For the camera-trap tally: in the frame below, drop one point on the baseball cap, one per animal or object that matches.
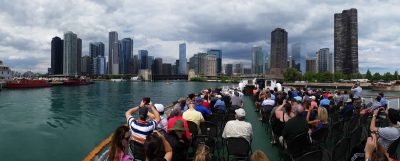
(240, 112)
(159, 107)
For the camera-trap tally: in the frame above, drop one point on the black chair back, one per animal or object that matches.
(193, 128)
(341, 150)
(393, 148)
(208, 128)
(238, 147)
(355, 137)
(336, 131)
(137, 149)
(299, 145)
(311, 156)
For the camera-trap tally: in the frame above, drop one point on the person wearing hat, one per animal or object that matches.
(387, 135)
(325, 102)
(201, 108)
(347, 109)
(178, 141)
(163, 122)
(219, 104)
(175, 115)
(238, 127)
(141, 127)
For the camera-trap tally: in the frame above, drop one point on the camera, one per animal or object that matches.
(146, 100)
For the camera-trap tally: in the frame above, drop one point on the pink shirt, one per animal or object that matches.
(125, 157)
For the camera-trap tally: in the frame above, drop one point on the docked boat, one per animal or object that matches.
(389, 86)
(75, 82)
(56, 83)
(27, 83)
(116, 80)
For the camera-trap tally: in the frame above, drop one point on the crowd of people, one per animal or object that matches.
(154, 132)
(297, 111)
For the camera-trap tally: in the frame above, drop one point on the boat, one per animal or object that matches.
(135, 79)
(116, 80)
(75, 82)
(56, 83)
(27, 83)
(386, 86)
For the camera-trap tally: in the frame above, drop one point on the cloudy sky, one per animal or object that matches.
(234, 26)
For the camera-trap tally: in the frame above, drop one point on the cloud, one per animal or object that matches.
(159, 26)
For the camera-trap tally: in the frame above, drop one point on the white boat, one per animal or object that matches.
(116, 80)
(135, 79)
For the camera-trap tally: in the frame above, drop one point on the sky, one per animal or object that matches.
(27, 27)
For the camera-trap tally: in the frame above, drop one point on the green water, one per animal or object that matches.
(66, 123)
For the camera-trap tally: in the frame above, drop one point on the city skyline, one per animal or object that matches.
(29, 28)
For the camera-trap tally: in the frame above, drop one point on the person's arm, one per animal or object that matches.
(373, 127)
(278, 111)
(128, 113)
(313, 122)
(370, 146)
(167, 147)
(155, 113)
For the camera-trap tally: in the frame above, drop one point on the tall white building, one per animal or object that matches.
(71, 61)
(113, 53)
(211, 61)
(182, 59)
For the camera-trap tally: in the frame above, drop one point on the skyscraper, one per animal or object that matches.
(57, 55)
(135, 64)
(113, 53)
(198, 62)
(257, 61)
(324, 61)
(71, 62)
(228, 69)
(182, 59)
(79, 54)
(99, 65)
(346, 42)
(158, 66)
(296, 56)
(143, 54)
(166, 69)
(279, 42)
(218, 54)
(96, 49)
(311, 65)
(211, 65)
(85, 65)
(125, 55)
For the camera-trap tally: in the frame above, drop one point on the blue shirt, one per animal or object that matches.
(203, 110)
(220, 105)
(324, 102)
(383, 101)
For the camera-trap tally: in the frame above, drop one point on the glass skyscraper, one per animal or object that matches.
(126, 49)
(258, 60)
(182, 59)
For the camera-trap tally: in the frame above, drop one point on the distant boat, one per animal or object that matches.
(27, 83)
(135, 79)
(168, 83)
(116, 80)
(390, 86)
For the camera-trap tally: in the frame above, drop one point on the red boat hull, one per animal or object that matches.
(75, 82)
(19, 84)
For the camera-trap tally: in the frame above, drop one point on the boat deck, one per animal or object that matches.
(261, 139)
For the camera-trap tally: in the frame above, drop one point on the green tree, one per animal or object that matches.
(338, 76)
(310, 76)
(292, 74)
(387, 76)
(325, 77)
(368, 75)
(376, 77)
(396, 75)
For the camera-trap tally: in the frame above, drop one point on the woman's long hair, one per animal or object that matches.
(154, 147)
(116, 143)
(202, 153)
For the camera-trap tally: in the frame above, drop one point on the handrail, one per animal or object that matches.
(98, 149)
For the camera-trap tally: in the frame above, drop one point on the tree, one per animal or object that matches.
(376, 77)
(338, 76)
(387, 76)
(396, 75)
(292, 74)
(368, 75)
(325, 77)
(310, 76)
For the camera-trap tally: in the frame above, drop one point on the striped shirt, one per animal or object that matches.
(141, 129)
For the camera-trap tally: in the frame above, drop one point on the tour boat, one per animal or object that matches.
(26, 83)
(390, 86)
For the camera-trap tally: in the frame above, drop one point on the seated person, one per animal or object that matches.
(347, 109)
(200, 107)
(176, 115)
(321, 120)
(193, 115)
(293, 127)
(387, 135)
(157, 147)
(219, 104)
(238, 127)
(178, 141)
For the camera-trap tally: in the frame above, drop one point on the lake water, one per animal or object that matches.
(66, 123)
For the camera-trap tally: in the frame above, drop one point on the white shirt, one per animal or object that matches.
(268, 102)
(163, 123)
(236, 128)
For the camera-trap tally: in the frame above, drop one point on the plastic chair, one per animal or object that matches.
(299, 145)
(319, 136)
(210, 129)
(311, 156)
(193, 128)
(341, 149)
(238, 148)
(355, 137)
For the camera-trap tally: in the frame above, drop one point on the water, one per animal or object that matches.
(66, 123)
